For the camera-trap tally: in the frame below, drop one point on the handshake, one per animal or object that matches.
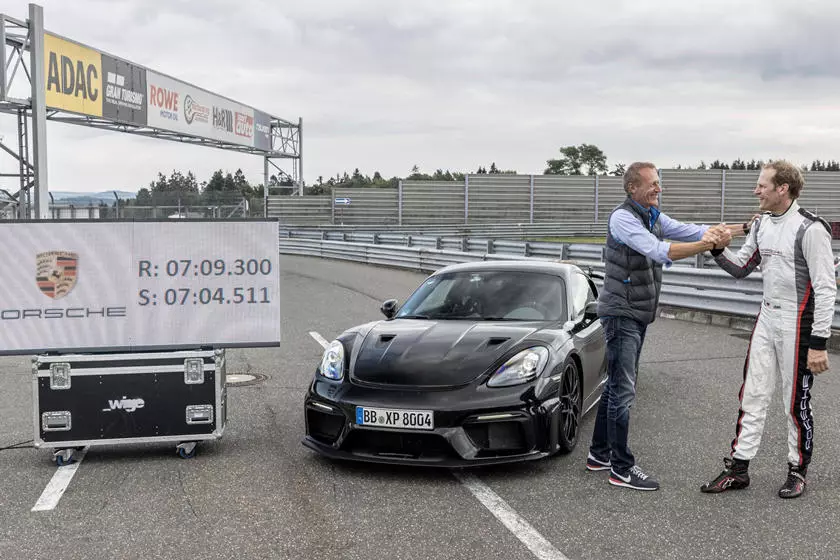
(719, 236)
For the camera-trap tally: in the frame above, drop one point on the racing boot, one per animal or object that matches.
(795, 484)
(733, 477)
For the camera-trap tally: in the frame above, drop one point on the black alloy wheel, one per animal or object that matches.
(571, 402)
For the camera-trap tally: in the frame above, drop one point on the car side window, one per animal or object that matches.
(581, 294)
(436, 298)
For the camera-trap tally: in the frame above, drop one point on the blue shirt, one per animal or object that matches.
(626, 228)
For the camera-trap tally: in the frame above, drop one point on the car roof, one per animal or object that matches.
(536, 266)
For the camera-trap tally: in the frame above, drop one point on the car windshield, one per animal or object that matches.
(492, 295)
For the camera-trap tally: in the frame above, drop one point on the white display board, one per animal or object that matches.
(125, 285)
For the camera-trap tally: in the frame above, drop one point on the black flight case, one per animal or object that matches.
(131, 398)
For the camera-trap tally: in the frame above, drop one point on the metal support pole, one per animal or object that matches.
(532, 200)
(300, 154)
(24, 210)
(2, 57)
(399, 202)
(39, 110)
(722, 193)
(597, 185)
(466, 199)
(661, 186)
(265, 186)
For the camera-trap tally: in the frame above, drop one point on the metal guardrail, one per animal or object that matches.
(495, 231)
(589, 252)
(697, 288)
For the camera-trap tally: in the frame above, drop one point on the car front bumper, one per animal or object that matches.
(499, 427)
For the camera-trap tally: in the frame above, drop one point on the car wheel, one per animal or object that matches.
(571, 403)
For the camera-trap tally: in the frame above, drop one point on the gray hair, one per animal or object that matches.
(633, 173)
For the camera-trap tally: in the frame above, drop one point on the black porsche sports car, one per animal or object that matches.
(486, 362)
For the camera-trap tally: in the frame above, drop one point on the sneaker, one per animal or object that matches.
(593, 464)
(733, 477)
(635, 479)
(795, 484)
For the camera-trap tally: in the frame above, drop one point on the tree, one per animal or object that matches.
(576, 158)
(618, 171)
(220, 189)
(241, 183)
(569, 164)
(144, 197)
(176, 189)
(593, 158)
(159, 186)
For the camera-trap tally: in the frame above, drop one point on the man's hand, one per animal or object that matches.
(719, 236)
(817, 361)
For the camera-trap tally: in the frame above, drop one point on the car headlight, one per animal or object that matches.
(522, 367)
(332, 363)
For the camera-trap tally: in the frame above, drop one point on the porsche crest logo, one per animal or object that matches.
(56, 272)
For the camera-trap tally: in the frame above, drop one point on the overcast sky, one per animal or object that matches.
(455, 84)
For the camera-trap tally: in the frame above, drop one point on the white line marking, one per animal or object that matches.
(520, 528)
(59, 483)
(319, 339)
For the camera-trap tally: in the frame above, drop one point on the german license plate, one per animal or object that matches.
(390, 418)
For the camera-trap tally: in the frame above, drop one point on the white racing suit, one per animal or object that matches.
(797, 266)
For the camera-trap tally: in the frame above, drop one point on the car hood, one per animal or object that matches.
(426, 353)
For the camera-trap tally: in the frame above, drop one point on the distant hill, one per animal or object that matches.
(90, 198)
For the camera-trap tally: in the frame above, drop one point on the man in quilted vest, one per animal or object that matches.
(636, 252)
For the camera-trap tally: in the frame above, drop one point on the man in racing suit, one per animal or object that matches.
(793, 248)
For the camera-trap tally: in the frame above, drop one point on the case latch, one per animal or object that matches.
(57, 421)
(59, 375)
(193, 371)
(200, 414)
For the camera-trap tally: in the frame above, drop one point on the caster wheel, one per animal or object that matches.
(64, 457)
(184, 454)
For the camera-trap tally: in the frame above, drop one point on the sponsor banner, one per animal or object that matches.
(262, 130)
(73, 76)
(124, 85)
(178, 107)
(77, 286)
(86, 81)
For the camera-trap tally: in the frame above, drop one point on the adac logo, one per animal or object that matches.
(56, 272)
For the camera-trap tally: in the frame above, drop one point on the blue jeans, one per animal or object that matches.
(624, 337)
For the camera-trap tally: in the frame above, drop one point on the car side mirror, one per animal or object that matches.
(389, 308)
(590, 312)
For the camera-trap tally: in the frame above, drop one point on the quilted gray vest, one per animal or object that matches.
(632, 281)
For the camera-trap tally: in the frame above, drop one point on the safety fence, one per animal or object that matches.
(704, 196)
(690, 284)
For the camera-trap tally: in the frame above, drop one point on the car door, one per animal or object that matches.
(587, 333)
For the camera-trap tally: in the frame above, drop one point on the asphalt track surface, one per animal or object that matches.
(259, 494)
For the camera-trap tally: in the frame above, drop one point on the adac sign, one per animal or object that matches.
(73, 76)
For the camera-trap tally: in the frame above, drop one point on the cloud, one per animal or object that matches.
(384, 85)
